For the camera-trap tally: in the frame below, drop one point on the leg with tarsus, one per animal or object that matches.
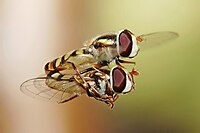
(104, 98)
(83, 82)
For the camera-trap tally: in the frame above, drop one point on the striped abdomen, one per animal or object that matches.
(77, 58)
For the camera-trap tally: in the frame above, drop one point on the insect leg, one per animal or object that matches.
(108, 99)
(83, 82)
(123, 61)
(101, 72)
(133, 72)
(79, 79)
(116, 96)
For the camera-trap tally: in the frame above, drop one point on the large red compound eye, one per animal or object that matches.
(125, 43)
(118, 80)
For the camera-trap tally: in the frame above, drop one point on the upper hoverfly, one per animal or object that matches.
(90, 67)
(105, 48)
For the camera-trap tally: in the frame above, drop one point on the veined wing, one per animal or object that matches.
(156, 38)
(57, 90)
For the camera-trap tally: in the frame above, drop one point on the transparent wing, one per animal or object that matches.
(156, 38)
(56, 91)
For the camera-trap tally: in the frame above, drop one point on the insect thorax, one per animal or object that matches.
(103, 53)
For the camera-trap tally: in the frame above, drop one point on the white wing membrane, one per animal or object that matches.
(59, 91)
(156, 38)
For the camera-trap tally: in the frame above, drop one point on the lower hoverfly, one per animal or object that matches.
(91, 73)
(103, 84)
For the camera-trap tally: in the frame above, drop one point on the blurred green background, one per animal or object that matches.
(167, 93)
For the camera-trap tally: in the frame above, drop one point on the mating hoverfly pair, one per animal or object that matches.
(95, 70)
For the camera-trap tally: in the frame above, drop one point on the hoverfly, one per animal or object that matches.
(103, 84)
(105, 48)
(91, 66)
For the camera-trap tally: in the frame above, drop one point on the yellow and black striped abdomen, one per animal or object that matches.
(80, 59)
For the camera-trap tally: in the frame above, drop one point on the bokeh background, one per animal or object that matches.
(167, 98)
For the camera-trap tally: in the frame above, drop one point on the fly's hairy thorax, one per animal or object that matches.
(97, 81)
(103, 48)
(100, 85)
(104, 53)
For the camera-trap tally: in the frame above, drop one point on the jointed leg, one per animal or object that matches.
(123, 61)
(83, 82)
(118, 61)
(107, 99)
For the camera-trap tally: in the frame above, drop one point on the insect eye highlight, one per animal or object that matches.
(118, 80)
(125, 43)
